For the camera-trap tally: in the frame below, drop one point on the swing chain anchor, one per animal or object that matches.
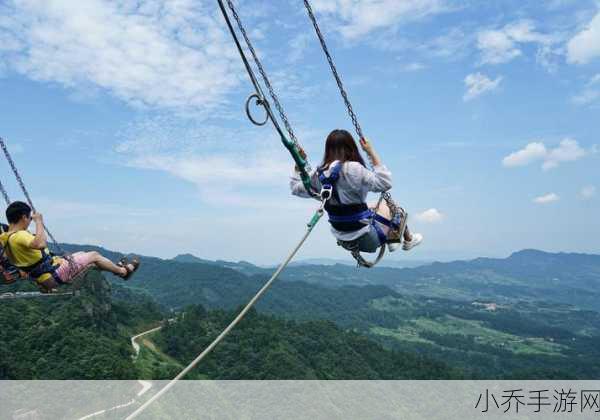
(258, 102)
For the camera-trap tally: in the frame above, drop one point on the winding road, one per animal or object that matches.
(134, 343)
(146, 385)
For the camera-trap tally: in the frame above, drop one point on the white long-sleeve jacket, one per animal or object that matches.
(354, 184)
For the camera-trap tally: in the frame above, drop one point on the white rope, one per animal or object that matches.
(315, 219)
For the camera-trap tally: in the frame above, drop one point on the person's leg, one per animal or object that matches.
(77, 262)
(410, 240)
(407, 234)
(383, 209)
(105, 264)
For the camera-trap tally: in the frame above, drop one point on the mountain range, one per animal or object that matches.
(531, 315)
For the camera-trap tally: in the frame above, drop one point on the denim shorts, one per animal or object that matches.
(369, 242)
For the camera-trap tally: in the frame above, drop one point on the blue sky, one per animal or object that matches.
(126, 120)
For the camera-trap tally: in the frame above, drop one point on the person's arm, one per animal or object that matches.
(40, 240)
(370, 151)
(296, 185)
(380, 178)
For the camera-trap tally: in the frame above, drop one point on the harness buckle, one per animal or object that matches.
(326, 191)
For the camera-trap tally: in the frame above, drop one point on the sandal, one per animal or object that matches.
(125, 263)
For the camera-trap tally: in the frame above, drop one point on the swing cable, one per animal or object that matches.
(291, 143)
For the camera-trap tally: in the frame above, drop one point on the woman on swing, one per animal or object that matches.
(344, 169)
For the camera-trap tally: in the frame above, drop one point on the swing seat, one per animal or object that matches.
(395, 235)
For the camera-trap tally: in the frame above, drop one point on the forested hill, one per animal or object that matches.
(529, 316)
(531, 275)
(264, 347)
(83, 337)
(88, 337)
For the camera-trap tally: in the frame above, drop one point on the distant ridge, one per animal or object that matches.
(190, 258)
(528, 274)
(243, 266)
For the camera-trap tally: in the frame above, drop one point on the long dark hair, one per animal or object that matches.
(340, 145)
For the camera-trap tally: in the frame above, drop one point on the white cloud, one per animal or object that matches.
(503, 45)
(226, 171)
(413, 67)
(587, 192)
(497, 47)
(254, 180)
(357, 18)
(452, 45)
(585, 46)
(430, 216)
(298, 46)
(531, 152)
(586, 97)
(590, 93)
(170, 54)
(567, 151)
(240, 167)
(478, 84)
(546, 199)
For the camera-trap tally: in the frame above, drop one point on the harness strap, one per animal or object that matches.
(367, 214)
(350, 217)
(344, 217)
(328, 182)
(389, 223)
(44, 266)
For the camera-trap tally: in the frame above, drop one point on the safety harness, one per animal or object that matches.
(45, 265)
(350, 217)
(10, 273)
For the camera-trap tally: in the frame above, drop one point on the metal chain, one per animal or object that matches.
(4, 194)
(386, 195)
(264, 76)
(338, 79)
(394, 209)
(354, 249)
(24, 189)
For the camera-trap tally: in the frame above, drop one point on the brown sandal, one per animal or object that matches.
(125, 263)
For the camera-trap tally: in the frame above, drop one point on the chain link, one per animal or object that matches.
(338, 79)
(394, 210)
(24, 189)
(386, 196)
(264, 76)
(4, 194)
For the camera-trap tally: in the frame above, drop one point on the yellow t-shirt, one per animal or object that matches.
(20, 252)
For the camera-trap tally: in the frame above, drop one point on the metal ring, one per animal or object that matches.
(259, 102)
